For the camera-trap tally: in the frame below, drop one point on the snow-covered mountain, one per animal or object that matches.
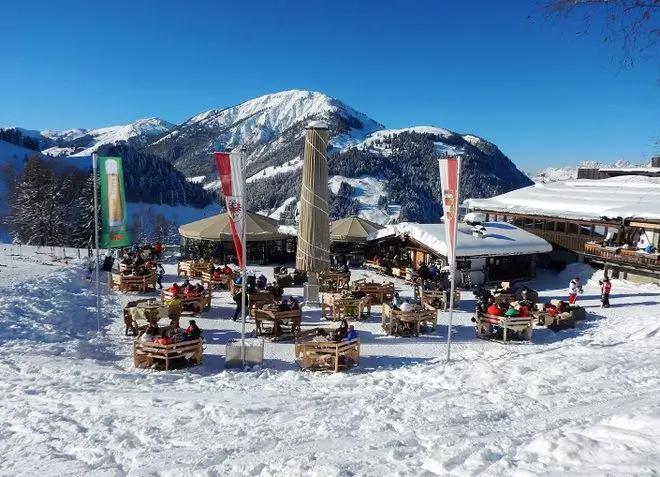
(83, 142)
(557, 174)
(270, 127)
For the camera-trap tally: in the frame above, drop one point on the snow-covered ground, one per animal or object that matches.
(558, 174)
(580, 402)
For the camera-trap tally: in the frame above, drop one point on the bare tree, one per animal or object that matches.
(632, 25)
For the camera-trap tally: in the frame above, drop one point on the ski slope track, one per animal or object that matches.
(580, 402)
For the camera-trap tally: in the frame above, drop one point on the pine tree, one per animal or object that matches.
(83, 235)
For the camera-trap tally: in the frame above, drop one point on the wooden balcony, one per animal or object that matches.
(575, 243)
(621, 256)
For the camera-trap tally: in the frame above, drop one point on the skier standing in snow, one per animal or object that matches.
(605, 288)
(159, 276)
(574, 288)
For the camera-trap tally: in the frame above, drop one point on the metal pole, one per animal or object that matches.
(244, 253)
(96, 242)
(453, 260)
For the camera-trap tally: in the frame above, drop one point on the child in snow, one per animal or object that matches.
(159, 276)
(605, 288)
(574, 288)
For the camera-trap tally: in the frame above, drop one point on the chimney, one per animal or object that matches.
(655, 161)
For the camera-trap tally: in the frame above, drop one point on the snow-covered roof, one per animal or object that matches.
(625, 197)
(500, 239)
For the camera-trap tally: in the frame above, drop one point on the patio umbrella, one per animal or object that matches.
(313, 252)
(352, 229)
(258, 228)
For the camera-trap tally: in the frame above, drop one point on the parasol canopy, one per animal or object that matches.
(352, 229)
(258, 228)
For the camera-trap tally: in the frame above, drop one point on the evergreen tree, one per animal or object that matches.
(83, 234)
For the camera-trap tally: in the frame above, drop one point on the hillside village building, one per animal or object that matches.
(608, 217)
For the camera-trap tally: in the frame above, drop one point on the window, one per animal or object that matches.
(550, 226)
(572, 229)
(538, 224)
(518, 222)
(528, 224)
(585, 230)
(561, 227)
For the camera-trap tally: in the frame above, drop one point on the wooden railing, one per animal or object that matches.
(622, 256)
(572, 242)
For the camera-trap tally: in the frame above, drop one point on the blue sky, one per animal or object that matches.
(501, 70)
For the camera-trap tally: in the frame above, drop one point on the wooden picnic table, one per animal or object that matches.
(145, 354)
(406, 323)
(258, 300)
(193, 268)
(271, 322)
(141, 283)
(192, 303)
(343, 308)
(331, 281)
(490, 326)
(316, 352)
(210, 280)
(377, 292)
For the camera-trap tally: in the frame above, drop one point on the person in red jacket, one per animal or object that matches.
(523, 311)
(605, 289)
(494, 310)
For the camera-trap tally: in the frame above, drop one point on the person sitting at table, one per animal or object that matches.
(217, 273)
(152, 329)
(199, 288)
(174, 288)
(284, 305)
(406, 307)
(352, 334)
(276, 290)
(523, 310)
(226, 270)
(189, 289)
(164, 338)
(294, 304)
(138, 262)
(358, 294)
(341, 332)
(192, 332)
(261, 282)
(493, 308)
(511, 311)
(252, 284)
(127, 260)
(550, 310)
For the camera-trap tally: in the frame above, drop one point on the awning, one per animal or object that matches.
(258, 228)
(352, 229)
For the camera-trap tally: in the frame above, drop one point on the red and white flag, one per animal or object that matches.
(230, 173)
(449, 174)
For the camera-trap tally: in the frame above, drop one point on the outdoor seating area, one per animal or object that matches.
(139, 313)
(180, 354)
(286, 278)
(124, 283)
(343, 308)
(376, 292)
(215, 280)
(408, 323)
(314, 351)
(193, 268)
(558, 315)
(190, 303)
(334, 281)
(438, 299)
(269, 321)
(504, 328)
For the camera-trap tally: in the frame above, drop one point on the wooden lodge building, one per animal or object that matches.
(608, 217)
(491, 253)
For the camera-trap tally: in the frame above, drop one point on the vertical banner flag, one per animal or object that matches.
(449, 170)
(114, 216)
(230, 173)
(449, 179)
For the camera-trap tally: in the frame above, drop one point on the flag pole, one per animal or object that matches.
(453, 260)
(96, 241)
(244, 256)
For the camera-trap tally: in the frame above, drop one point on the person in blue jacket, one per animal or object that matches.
(352, 334)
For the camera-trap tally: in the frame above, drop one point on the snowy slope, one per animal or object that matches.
(578, 403)
(83, 142)
(271, 171)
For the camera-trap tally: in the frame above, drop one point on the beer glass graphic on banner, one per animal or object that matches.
(115, 206)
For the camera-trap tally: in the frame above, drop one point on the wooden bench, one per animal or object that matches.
(277, 323)
(406, 323)
(561, 321)
(343, 309)
(377, 292)
(330, 281)
(256, 301)
(192, 303)
(489, 326)
(430, 297)
(328, 355)
(125, 283)
(192, 268)
(145, 354)
(212, 282)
